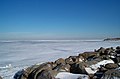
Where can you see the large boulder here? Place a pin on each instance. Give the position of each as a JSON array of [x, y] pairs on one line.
[[37, 70]]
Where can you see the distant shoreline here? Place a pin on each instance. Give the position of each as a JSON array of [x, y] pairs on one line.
[[111, 39]]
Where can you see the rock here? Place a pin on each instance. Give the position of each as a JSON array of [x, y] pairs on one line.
[[45, 74], [98, 75], [0, 77], [118, 47], [111, 66], [37, 70], [78, 68], [74, 59], [88, 55], [111, 74], [60, 61], [101, 51], [96, 64], [19, 74], [118, 51], [62, 68]]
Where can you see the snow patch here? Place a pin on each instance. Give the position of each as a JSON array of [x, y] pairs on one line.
[[67, 75]]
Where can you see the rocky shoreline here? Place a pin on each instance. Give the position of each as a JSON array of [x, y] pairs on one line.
[[103, 63]]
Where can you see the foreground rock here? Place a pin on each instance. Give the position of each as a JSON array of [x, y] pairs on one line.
[[0, 77], [88, 65]]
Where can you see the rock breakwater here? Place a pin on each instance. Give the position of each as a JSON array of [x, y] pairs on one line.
[[88, 65]]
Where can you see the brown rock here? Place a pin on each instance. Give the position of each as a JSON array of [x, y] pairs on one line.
[[45, 74], [62, 68], [111, 66], [60, 61]]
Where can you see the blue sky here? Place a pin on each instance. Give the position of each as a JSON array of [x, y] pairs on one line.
[[59, 19]]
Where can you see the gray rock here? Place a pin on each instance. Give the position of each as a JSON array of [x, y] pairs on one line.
[[0, 77], [111, 74]]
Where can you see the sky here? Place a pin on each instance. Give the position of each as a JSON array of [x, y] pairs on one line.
[[59, 19]]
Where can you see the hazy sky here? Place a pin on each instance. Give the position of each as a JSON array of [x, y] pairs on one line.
[[58, 19]]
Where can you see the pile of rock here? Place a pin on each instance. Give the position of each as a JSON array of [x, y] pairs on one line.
[[97, 65]]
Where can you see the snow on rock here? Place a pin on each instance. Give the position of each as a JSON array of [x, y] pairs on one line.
[[94, 68], [67, 75]]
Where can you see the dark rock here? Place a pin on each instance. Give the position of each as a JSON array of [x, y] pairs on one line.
[[118, 51], [118, 47], [98, 75], [19, 74], [45, 74], [111, 74], [0, 77], [78, 68], [101, 51], [111, 66]]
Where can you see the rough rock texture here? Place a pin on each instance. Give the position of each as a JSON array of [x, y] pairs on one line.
[[97, 65], [0, 77], [111, 74], [111, 66]]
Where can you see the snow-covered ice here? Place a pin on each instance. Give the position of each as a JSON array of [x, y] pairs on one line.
[[18, 54]]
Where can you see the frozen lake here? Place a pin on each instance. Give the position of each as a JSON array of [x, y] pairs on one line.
[[18, 54]]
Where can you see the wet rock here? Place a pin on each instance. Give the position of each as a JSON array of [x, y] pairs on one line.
[[111, 66]]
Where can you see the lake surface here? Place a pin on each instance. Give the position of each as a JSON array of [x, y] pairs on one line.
[[18, 54]]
